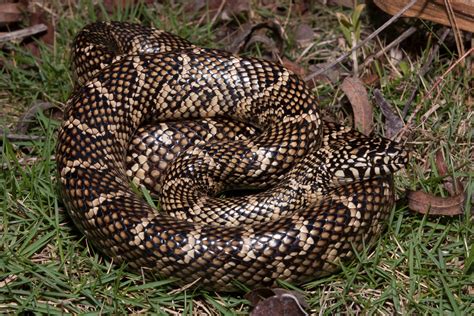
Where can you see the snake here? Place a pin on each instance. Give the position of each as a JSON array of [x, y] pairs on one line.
[[151, 110]]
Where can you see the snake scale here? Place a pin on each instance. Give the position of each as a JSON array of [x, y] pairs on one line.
[[190, 123]]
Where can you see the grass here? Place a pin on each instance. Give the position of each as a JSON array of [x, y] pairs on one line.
[[421, 265]]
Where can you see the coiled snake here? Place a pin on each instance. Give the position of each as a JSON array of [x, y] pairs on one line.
[[234, 121]]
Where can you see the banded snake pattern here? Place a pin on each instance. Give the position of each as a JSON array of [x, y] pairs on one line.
[[189, 123]]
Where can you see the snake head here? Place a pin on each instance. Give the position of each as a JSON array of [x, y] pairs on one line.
[[380, 157], [397, 155], [364, 158]]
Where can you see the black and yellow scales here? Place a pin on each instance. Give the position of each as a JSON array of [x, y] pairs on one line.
[[189, 123]]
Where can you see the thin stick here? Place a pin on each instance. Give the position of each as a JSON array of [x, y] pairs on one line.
[[219, 10], [362, 43], [395, 42], [21, 137], [26, 119], [454, 25], [31, 30]]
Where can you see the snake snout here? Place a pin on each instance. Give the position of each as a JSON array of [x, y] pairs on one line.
[[378, 157], [397, 156]]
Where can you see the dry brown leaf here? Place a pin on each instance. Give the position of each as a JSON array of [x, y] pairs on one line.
[[371, 79], [393, 122], [451, 184], [259, 294], [453, 187], [298, 8], [363, 111], [426, 203], [44, 18], [112, 6], [304, 35], [441, 163], [302, 7], [10, 12], [331, 76], [291, 65], [276, 302], [194, 6], [233, 8], [268, 43], [434, 10], [217, 9], [245, 35], [343, 3], [41, 17]]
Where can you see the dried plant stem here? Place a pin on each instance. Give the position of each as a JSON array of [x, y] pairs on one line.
[[20, 34], [394, 43]]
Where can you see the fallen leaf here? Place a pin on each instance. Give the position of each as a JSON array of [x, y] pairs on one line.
[[371, 79], [233, 8], [361, 107], [244, 36], [453, 187], [302, 7], [44, 18], [343, 3], [434, 10], [10, 12], [393, 122], [267, 42], [216, 9], [239, 38], [426, 203], [276, 302], [291, 65], [259, 294], [196, 5], [304, 35], [451, 184], [112, 6], [441, 163], [331, 76]]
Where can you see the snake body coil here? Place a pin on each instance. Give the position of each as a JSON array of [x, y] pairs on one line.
[[251, 123]]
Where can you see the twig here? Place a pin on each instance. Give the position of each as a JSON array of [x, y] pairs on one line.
[[434, 108], [454, 25], [395, 42], [393, 122], [355, 68], [28, 161], [362, 43], [31, 30], [27, 118], [223, 3], [21, 137], [214, 18]]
